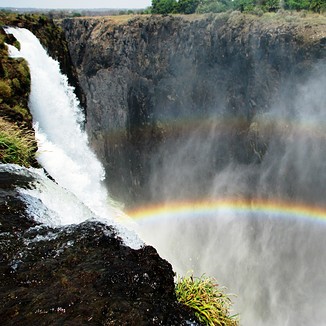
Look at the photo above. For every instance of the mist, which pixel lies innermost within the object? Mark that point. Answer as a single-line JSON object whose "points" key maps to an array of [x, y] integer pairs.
{"points": [[275, 264]]}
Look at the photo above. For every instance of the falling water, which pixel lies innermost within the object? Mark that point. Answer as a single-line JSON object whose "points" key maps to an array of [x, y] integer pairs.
{"points": [[62, 144]]}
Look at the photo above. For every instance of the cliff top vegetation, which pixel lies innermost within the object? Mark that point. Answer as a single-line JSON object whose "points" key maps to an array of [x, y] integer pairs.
{"points": [[307, 26], [206, 6]]}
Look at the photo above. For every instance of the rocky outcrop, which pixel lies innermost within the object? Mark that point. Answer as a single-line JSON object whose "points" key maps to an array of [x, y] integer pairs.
{"points": [[79, 274], [150, 80]]}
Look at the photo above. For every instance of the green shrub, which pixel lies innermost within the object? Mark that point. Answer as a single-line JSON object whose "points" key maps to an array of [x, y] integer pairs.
{"points": [[5, 90], [17, 44], [23, 111], [23, 70], [272, 5], [15, 83], [2, 39], [207, 299], [207, 6], [16, 145], [318, 6]]}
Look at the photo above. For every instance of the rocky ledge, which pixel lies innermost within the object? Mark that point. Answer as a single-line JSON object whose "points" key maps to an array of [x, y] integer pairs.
{"points": [[79, 274]]}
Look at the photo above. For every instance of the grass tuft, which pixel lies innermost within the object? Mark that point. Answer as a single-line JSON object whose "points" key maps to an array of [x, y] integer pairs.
{"points": [[207, 299], [16, 145]]}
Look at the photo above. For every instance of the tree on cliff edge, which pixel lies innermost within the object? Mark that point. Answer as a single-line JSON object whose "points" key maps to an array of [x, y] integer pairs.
{"points": [[187, 6], [204, 6], [215, 6], [164, 7]]}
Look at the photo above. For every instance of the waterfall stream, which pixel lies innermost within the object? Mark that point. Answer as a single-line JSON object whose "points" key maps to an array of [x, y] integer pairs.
{"points": [[271, 255], [62, 144]]}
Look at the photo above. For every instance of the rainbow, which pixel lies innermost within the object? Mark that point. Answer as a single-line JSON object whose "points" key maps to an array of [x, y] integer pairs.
{"points": [[224, 207], [264, 125]]}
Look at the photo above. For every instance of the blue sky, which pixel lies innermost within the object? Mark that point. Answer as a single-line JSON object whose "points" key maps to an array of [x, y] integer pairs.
{"points": [[75, 3]]}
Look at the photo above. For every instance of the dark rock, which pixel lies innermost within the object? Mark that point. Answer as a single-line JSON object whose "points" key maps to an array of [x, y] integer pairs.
{"points": [[79, 274]]}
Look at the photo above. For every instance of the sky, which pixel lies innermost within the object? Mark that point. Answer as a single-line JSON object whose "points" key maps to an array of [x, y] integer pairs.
{"points": [[75, 3]]}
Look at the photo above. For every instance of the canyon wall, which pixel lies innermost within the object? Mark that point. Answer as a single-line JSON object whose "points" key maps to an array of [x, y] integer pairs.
{"points": [[155, 81]]}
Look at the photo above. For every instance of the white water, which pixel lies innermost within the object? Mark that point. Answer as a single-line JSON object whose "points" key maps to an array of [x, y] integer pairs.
{"points": [[63, 146]]}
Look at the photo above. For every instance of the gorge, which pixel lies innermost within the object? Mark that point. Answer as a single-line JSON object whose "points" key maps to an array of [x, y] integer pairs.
{"points": [[210, 129]]}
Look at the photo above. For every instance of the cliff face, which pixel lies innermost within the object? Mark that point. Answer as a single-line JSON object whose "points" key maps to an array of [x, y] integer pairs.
{"points": [[150, 80]]}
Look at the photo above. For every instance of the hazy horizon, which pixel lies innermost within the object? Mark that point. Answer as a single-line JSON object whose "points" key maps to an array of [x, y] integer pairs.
{"points": [[72, 4]]}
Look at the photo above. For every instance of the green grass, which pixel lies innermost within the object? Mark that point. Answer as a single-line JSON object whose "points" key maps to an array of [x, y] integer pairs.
{"points": [[207, 299], [16, 145]]}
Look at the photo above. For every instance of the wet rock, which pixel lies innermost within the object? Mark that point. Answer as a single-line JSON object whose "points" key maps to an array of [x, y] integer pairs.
{"points": [[78, 274]]}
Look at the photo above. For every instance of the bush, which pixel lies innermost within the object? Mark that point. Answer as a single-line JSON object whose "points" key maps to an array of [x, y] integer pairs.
{"points": [[24, 74], [163, 7], [16, 83], [210, 303], [26, 116], [186, 6], [244, 5], [272, 5], [5, 90], [211, 6], [297, 4], [318, 6]]}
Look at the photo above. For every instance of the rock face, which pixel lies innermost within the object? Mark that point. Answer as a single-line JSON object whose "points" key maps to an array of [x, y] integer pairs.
{"points": [[155, 81], [79, 274]]}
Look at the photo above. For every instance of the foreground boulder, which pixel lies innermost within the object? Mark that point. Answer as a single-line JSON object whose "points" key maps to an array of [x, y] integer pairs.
{"points": [[79, 274]]}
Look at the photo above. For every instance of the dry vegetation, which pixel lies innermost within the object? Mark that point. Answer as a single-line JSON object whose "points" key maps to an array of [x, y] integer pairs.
{"points": [[17, 145]]}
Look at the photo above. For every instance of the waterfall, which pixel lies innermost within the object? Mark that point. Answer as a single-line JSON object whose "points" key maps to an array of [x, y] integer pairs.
{"points": [[62, 144]]}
